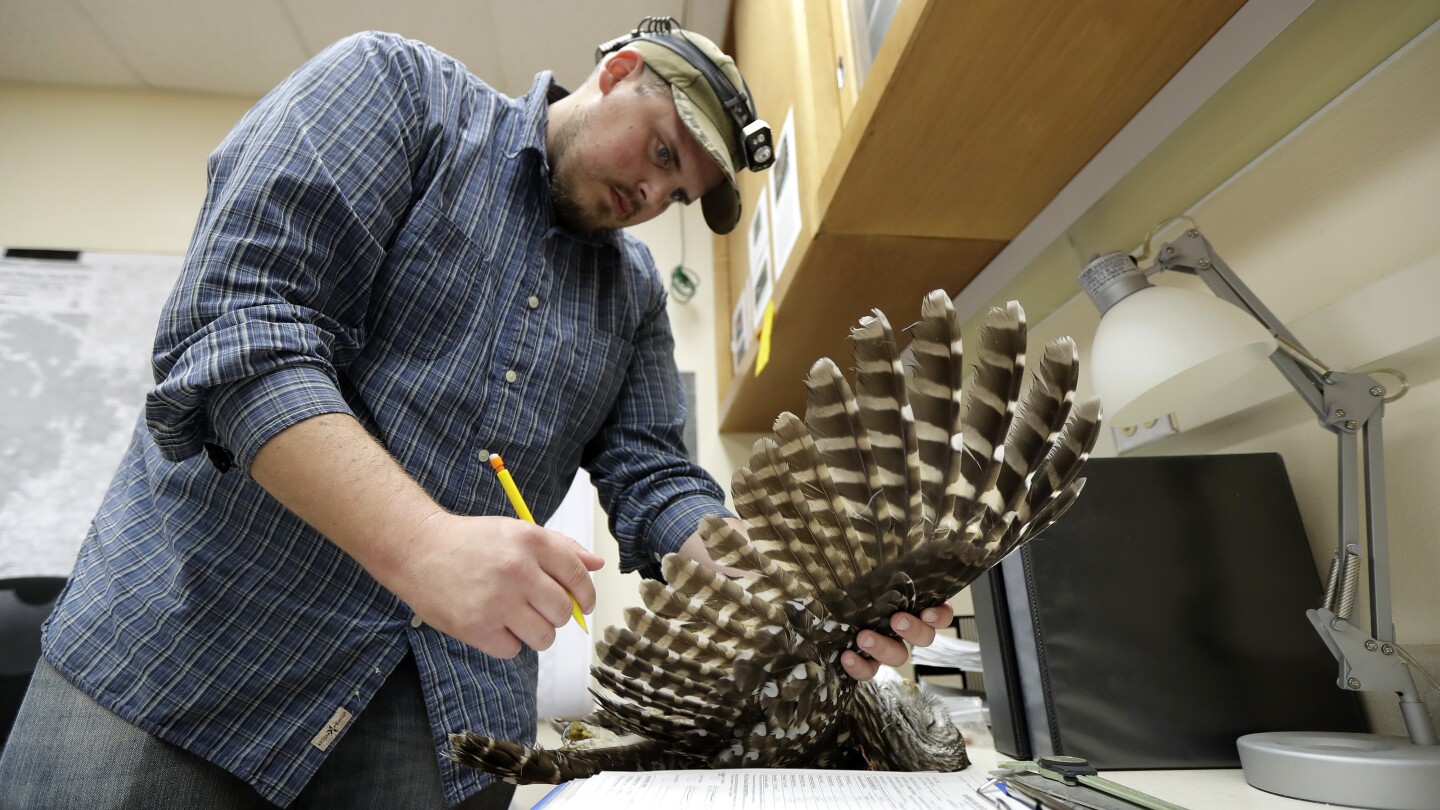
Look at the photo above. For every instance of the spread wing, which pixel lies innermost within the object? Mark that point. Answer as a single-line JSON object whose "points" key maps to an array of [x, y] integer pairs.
{"points": [[891, 494]]}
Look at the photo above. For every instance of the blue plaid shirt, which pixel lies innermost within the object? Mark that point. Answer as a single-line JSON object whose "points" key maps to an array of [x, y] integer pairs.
{"points": [[377, 240]]}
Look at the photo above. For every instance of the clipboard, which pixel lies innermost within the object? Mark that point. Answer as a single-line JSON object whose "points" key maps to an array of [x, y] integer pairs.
{"points": [[1072, 782]]}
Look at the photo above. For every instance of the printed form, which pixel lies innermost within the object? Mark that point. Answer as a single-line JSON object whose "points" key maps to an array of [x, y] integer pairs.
{"points": [[773, 789]]}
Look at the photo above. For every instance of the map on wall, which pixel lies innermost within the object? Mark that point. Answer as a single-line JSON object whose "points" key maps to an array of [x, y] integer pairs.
{"points": [[75, 339]]}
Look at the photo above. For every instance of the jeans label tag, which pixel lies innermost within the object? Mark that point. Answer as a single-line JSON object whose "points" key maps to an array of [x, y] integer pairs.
{"points": [[338, 721]]}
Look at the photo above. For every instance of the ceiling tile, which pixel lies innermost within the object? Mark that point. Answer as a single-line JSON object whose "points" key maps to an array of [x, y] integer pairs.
{"points": [[55, 42], [568, 48], [461, 28], [218, 46], [245, 47]]}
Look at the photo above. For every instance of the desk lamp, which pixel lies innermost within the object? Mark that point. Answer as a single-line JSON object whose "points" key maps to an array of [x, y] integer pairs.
{"points": [[1157, 347]]}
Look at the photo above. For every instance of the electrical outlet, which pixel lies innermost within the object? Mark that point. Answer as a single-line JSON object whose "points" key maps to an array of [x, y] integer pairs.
{"points": [[1132, 436]]}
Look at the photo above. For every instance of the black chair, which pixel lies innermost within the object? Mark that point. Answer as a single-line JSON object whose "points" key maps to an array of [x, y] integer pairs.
{"points": [[25, 602]]}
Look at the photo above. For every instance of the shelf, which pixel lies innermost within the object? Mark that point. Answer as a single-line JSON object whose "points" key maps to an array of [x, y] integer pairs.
{"points": [[974, 115], [752, 403]]}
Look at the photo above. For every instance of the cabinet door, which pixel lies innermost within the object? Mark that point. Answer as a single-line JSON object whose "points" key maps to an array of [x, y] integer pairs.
{"points": [[858, 28], [787, 51]]}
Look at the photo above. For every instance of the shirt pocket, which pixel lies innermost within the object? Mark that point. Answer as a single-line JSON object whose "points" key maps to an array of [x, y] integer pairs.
{"points": [[429, 290], [591, 368]]}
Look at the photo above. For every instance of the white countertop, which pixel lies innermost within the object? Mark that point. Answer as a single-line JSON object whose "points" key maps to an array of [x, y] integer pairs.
{"points": [[1199, 789]]}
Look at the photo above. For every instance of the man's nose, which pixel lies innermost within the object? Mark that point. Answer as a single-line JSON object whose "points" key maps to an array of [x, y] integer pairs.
{"points": [[652, 193]]}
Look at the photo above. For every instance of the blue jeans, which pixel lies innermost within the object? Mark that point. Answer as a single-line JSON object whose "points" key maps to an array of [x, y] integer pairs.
{"points": [[67, 751]]}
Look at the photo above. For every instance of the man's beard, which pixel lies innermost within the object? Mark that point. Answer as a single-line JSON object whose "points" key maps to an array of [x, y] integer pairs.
{"points": [[563, 176]]}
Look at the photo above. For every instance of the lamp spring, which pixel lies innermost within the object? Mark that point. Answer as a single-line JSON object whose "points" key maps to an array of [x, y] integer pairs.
{"points": [[1332, 583], [1350, 583]]}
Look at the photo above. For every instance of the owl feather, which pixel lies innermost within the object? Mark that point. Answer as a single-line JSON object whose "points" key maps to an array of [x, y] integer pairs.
{"points": [[891, 494]]}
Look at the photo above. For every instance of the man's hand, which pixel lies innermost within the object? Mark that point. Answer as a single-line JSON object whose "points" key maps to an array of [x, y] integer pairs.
{"points": [[496, 583], [885, 650], [919, 632], [490, 582]]}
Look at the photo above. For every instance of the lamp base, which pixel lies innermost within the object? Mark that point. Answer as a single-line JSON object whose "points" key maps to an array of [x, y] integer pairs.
{"points": [[1361, 770]]}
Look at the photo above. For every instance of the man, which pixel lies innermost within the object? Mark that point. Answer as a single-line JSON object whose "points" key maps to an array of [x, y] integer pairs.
{"points": [[299, 580]]}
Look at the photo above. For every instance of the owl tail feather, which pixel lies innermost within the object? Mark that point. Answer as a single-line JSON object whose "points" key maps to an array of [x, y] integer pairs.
{"points": [[525, 765]]}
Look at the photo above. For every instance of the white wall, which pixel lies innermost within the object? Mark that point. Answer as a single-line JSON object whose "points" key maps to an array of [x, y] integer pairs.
{"points": [[123, 171], [1316, 226], [1335, 229], [105, 170]]}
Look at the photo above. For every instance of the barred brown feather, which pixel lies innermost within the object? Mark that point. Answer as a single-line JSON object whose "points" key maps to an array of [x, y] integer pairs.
{"points": [[823, 511], [888, 496], [889, 423], [938, 359], [834, 422]]}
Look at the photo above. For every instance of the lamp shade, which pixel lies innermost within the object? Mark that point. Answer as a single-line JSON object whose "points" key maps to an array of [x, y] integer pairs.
{"points": [[1161, 347]]}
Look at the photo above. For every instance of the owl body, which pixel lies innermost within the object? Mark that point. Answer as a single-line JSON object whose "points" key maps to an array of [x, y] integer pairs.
{"points": [[888, 496]]}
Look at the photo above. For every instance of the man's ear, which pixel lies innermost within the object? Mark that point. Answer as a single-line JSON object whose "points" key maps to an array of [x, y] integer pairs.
{"points": [[615, 67]]}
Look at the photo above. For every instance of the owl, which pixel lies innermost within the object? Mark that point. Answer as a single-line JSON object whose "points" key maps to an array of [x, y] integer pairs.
{"points": [[892, 494]]}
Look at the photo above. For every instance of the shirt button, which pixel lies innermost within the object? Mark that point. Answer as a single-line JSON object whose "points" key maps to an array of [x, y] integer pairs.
{"points": [[534, 302], [511, 376], [415, 622]]}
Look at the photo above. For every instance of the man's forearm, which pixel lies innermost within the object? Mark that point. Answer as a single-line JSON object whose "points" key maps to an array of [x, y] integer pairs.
{"points": [[495, 583], [333, 474]]}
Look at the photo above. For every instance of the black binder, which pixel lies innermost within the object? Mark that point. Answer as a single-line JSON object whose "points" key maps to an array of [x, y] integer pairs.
{"points": [[1161, 618]]}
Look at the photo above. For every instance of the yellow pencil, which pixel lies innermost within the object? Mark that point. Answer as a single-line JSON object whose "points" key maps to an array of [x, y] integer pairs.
{"points": [[513, 492]]}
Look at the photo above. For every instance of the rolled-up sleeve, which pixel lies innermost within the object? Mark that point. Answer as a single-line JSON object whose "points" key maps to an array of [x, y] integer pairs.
{"points": [[303, 197], [654, 495]]}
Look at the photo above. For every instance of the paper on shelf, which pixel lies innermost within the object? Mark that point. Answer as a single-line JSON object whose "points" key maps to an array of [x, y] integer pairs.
{"points": [[948, 651]]}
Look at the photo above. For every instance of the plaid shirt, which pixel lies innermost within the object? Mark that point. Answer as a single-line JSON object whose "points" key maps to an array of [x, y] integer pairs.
{"points": [[377, 240]]}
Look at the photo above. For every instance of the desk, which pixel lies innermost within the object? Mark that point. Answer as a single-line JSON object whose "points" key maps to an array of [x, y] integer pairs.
{"points": [[1207, 789], [1204, 789]]}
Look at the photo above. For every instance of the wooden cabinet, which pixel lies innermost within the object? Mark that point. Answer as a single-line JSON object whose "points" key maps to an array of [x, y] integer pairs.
{"points": [[974, 114]]}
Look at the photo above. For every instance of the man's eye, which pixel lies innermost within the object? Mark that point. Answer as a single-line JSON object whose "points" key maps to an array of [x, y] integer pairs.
{"points": [[679, 195], [664, 153]]}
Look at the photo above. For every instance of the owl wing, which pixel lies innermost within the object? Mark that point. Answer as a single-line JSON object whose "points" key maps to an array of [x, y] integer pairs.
{"points": [[887, 496], [985, 466]]}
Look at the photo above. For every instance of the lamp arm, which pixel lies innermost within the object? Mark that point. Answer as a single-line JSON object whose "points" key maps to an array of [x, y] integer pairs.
{"points": [[1350, 406], [1192, 253], [1382, 627]]}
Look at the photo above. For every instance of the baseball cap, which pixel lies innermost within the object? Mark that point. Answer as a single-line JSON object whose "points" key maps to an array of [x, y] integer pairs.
{"points": [[705, 117]]}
